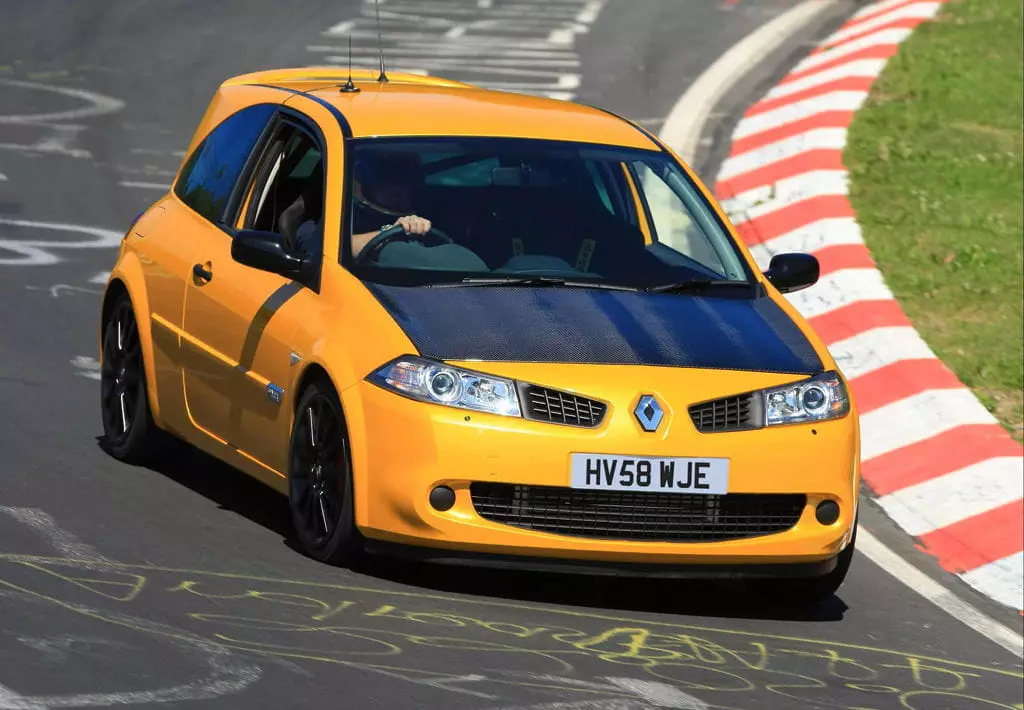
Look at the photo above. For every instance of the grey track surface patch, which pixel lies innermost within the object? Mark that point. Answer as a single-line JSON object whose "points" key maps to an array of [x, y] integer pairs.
{"points": [[195, 550]]}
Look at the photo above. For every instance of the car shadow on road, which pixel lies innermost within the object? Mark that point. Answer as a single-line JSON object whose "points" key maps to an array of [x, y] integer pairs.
{"points": [[229, 488], [235, 492], [699, 598]]}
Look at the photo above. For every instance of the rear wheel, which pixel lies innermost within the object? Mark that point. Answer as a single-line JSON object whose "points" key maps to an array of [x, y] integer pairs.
{"points": [[320, 478], [129, 432]]}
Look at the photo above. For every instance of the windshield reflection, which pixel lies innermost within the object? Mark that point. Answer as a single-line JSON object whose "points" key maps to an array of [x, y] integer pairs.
{"points": [[452, 210]]}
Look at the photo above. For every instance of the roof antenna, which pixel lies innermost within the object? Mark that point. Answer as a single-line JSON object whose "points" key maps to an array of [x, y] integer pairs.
{"points": [[349, 87], [383, 77]]}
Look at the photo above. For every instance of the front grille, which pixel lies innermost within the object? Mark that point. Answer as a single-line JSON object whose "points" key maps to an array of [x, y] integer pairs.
{"points": [[738, 413], [621, 515], [548, 405]]}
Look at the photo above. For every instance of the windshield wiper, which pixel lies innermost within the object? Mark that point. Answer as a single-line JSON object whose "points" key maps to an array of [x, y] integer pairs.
{"points": [[696, 285], [532, 281]]}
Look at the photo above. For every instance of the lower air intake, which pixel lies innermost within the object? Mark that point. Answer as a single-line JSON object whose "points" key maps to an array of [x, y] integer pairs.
{"points": [[651, 517]]}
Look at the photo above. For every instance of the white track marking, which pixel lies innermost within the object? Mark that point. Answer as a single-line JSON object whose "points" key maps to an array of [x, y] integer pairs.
{"points": [[58, 289], [647, 694], [874, 349], [922, 584], [57, 143], [100, 278], [822, 233], [838, 289], [447, 67], [442, 683], [817, 139], [875, 39], [854, 68], [465, 50], [62, 541], [96, 104], [799, 110], [445, 63], [766, 199], [524, 47], [36, 252], [2, 177], [153, 151], [86, 367], [873, 8], [227, 675], [1003, 580], [661, 695], [917, 11], [918, 417], [10, 700], [134, 184], [952, 497], [683, 126]]}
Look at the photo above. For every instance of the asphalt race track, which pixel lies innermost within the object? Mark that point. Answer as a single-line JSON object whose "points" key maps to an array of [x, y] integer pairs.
{"points": [[181, 586]]}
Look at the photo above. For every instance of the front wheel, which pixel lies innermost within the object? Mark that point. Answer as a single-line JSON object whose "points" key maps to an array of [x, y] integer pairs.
{"points": [[813, 591], [320, 478]]}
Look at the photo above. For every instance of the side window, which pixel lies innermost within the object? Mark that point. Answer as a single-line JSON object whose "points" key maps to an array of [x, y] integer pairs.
{"points": [[287, 195], [676, 225], [213, 169]]}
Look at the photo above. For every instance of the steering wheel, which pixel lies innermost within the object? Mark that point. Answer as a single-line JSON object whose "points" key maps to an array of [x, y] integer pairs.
{"points": [[397, 233]]}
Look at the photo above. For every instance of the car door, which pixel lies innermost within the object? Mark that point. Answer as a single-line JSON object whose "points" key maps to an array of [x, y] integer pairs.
{"points": [[239, 322], [167, 236]]}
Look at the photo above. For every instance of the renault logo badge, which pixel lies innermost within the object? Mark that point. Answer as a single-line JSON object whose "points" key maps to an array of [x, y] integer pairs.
{"points": [[649, 413]]}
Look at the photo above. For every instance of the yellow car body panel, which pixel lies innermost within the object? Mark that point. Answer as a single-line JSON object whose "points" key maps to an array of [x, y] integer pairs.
{"points": [[212, 348], [402, 449]]}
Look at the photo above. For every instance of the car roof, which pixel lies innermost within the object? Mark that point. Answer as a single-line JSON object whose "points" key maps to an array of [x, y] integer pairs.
{"points": [[414, 105]]}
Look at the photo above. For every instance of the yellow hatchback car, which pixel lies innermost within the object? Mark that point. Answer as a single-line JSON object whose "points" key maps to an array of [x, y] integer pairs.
{"points": [[480, 326]]}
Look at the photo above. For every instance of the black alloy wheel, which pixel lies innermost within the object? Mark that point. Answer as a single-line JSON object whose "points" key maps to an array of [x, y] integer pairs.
{"points": [[128, 429], [809, 592], [320, 478]]}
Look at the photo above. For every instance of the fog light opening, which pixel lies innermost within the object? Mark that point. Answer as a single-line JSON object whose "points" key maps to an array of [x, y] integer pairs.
{"points": [[827, 512], [442, 498]]}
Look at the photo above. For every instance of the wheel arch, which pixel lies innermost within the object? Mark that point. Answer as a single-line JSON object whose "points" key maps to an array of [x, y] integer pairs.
{"points": [[313, 371], [127, 280], [350, 421]]}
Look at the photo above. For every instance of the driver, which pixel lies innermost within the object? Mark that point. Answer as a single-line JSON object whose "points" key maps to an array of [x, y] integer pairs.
{"points": [[384, 191]]}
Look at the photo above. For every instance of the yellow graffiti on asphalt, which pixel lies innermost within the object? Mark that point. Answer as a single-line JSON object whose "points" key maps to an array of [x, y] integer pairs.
{"points": [[401, 633]]}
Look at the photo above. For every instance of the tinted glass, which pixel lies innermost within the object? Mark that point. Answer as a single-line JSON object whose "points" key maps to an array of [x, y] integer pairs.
{"points": [[212, 170], [514, 207]]}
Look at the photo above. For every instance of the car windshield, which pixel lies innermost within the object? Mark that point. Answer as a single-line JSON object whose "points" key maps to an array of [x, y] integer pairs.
{"points": [[529, 211]]}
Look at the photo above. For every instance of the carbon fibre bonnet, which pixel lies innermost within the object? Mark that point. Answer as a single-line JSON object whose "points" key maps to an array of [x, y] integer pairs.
{"points": [[526, 324]]}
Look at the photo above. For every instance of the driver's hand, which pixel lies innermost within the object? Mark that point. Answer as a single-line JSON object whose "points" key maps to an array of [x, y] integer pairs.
{"points": [[413, 224]]}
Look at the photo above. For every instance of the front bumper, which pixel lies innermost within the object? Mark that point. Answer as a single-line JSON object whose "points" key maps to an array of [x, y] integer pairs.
{"points": [[403, 449]]}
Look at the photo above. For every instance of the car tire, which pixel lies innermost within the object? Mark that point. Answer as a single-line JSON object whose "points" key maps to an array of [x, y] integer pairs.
{"points": [[129, 432], [320, 491], [811, 592]]}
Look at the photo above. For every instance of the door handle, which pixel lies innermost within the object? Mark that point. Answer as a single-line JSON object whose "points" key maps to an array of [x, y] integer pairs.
{"points": [[200, 273]]}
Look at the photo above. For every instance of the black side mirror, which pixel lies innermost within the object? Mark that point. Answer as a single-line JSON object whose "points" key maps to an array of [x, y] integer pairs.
{"points": [[266, 251], [792, 272]]}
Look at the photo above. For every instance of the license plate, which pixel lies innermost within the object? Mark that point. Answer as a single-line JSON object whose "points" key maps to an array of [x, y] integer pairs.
{"points": [[655, 474]]}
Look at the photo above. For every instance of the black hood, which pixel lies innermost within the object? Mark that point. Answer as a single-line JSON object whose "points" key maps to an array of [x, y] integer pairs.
{"points": [[575, 325]]}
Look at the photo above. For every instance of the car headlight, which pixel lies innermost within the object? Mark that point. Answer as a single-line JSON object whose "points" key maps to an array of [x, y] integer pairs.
{"points": [[436, 382], [821, 397]]}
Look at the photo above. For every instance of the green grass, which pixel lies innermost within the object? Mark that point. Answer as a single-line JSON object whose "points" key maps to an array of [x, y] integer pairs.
{"points": [[936, 182]]}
